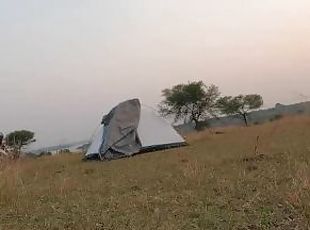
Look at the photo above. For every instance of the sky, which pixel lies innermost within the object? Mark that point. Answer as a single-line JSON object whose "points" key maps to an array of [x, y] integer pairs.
{"points": [[64, 63]]}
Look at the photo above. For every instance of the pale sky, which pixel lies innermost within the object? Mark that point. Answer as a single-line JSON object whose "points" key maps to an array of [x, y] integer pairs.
{"points": [[63, 63]]}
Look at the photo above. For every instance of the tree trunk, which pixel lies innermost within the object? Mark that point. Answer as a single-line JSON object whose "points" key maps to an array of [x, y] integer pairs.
{"points": [[196, 124], [245, 118]]}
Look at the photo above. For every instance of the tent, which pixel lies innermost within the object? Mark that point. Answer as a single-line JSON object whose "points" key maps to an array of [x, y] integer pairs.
{"points": [[129, 129]]}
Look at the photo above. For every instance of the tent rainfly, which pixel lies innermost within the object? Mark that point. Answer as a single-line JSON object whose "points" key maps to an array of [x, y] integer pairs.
{"points": [[129, 129]]}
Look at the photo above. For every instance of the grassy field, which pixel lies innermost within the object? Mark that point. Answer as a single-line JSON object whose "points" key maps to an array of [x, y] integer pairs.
{"points": [[228, 180]]}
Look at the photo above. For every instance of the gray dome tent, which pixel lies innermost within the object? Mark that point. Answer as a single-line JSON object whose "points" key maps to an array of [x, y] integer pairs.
{"points": [[129, 129]]}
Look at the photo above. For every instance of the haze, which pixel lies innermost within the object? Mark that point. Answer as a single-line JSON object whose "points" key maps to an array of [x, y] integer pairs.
{"points": [[66, 62]]}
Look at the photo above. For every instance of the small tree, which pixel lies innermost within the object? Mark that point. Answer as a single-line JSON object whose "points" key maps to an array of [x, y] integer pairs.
{"points": [[241, 105], [18, 139], [193, 101]]}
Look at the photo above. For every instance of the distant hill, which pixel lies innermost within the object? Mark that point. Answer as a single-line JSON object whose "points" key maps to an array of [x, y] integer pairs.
{"points": [[255, 117], [71, 146]]}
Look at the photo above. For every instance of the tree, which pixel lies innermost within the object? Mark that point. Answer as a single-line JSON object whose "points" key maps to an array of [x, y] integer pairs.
{"points": [[18, 139], [192, 101], [241, 105]]}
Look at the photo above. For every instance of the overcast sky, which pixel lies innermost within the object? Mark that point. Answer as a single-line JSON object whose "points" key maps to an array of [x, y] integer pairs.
{"points": [[63, 63]]}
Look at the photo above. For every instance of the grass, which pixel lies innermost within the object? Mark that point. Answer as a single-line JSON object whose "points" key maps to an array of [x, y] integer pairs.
{"points": [[224, 181]]}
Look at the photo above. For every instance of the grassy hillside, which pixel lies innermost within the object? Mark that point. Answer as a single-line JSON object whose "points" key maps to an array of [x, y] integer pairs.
{"points": [[220, 181]]}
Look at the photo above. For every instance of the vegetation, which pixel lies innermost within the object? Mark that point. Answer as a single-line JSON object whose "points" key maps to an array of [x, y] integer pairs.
{"points": [[195, 102], [18, 139], [240, 105], [230, 181], [192, 101]]}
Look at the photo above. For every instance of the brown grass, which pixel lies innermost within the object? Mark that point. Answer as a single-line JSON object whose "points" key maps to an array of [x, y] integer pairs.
{"points": [[217, 182]]}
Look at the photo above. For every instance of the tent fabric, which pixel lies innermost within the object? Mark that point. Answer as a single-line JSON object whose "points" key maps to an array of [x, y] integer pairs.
{"points": [[120, 131], [96, 142], [154, 131], [129, 129]]}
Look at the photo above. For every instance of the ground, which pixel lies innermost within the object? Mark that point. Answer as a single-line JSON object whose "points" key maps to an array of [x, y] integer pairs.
{"points": [[224, 179]]}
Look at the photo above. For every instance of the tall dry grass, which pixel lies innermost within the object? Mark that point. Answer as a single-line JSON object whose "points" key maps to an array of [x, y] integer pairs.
{"points": [[220, 181]]}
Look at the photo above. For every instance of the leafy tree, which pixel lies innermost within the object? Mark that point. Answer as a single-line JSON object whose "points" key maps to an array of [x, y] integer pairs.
{"points": [[241, 105], [192, 101], [18, 139]]}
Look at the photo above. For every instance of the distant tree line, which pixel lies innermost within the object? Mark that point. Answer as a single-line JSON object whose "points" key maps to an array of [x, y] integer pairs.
{"points": [[196, 101]]}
